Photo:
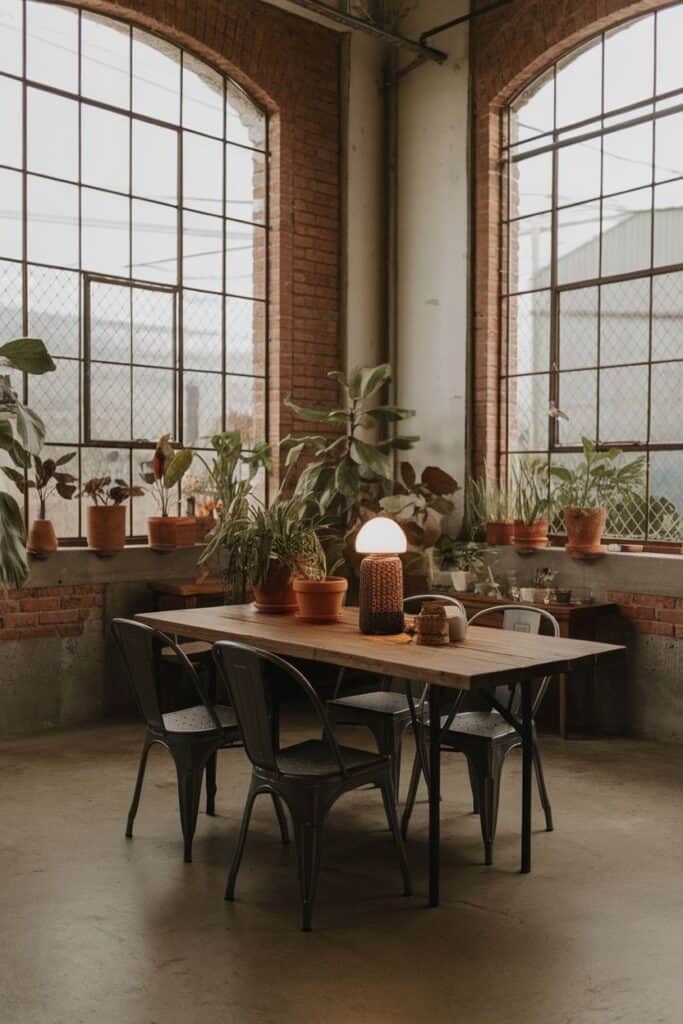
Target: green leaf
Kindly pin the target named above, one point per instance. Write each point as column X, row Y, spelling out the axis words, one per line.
column 399, row 444
column 313, row 415
column 438, row 480
column 390, row 413
column 65, row 490
column 6, row 435
column 63, row 459
column 346, row 479
column 294, row 454
column 408, row 475
column 371, row 459
column 16, row 477
column 28, row 355
column 372, row 379
column 308, row 481
column 340, row 376
column 13, row 560
column 30, row 428
column 177, row 466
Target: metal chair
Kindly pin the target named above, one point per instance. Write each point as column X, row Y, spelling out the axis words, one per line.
column 309, row 777
column 486, row 738
column 385, row 712
column 192, row 735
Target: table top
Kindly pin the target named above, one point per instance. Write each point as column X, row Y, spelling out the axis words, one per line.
column 487, row 656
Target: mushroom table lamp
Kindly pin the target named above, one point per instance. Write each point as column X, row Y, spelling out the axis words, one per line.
column 381, row 540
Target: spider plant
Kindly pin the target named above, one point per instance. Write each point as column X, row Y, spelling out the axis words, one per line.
column 531, row 497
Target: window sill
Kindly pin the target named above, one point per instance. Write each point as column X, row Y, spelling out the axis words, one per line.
column 71, row 566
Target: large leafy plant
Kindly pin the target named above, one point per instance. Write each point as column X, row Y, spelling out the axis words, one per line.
column 22, row 433
column 419, row 504
column 165, row 470
column 598, row 481
column 47, row 478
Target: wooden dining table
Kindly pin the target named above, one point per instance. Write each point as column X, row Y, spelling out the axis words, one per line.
column 487, row 658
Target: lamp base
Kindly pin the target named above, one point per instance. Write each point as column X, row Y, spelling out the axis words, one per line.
column 381, row 595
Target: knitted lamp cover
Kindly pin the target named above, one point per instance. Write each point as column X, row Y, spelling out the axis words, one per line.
column 381, row 594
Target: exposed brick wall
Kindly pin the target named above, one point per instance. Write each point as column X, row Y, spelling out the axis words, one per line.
column 508, row 48
column 651, row 613
column 49, row 611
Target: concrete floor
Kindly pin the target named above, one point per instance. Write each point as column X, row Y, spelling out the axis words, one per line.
column 96, row 928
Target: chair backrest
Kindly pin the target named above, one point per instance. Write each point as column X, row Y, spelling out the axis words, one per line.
column 249, row 674
column 522, row 619
column 413, row 604
column 141, row 648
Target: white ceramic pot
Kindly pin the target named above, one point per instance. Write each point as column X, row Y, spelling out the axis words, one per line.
column 460, row 579
column 527, row 595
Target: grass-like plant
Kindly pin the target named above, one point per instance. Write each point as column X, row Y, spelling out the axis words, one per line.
column 531, row 494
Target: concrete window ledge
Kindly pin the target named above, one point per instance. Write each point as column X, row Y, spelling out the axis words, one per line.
column 74, row 566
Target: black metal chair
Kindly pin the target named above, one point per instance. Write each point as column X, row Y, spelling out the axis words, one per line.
column 386, row 712
column 192, row 735
column 486, row 737
column 309, row 776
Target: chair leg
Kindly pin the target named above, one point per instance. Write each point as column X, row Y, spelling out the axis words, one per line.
column 308, row 838
column 138, row 786
column 239, row 849
column 473, row 786
column 543, row 792
column 388, row 738
column 189, row 792
column 412, row 793
column 281, row 818
column 488, row 786
column 389, row 798
column 211, row 784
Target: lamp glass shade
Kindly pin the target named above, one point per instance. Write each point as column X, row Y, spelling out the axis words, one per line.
column 381, row 536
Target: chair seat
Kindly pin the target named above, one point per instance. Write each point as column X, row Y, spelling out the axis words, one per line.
column 314, row 757
column 380, row 702
column 195, row 650
column 486, row 724
column 198, row 719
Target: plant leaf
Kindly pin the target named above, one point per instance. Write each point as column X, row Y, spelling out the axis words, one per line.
column 30, row 428
column 439, row 481
column 16, row 477
column 177, row 466
column 390, row 413
column 372, row 378
column 346, row 478
column 313, row 415
column 28, row 355
column 294, row 454
column 63, row 459
column 13, row 559
column 369, row 457
column 65, row 490
column 408, row 475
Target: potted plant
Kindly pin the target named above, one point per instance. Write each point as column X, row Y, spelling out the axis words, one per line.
column 163, row 473
column 462, row 560
column 48, row 479
column 531, row 505
column 105, row 520
column 229, row 480
column 585, row 492
column 491, row 508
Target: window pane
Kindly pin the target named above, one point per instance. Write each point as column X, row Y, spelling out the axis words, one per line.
column 155, row 162
column 11, row 319
column 245, row 332
column 578, row 172
column 10, row 214
column 55, row 397
column 667, row 316
column 155, row 233
column 531, row 185
column 529, row 333
column 202, row 406
column 245, row 184
column 110, row 322
column 629, row 48
column 578, row 231
column 53, row 309
column 578, row 398
column 666, row 495
column 528, row 415
column 529, row 253
column 245, row 256
column 52, row 135
column 669, row 48
column 578, row 328
column 105, row 63
column 628, row 518
column 109, row 402
column 579, row 86
column 627, row 158
column 667, row 390
column 532, row 113
column 11, row 32
column 153, row 327
column 625, row 322
column 53, row 222
column 244, row 122
column 246, row 407
column 153, row 403
column 668, row 224
column 202, row 97
column 202, row 331
column 669, row 147
column 202, row 173
column 106, row 143
column 156, row 77
column 626, row 223
column 52, row 45
column 12, row 122
column 202, row 251
column 623, row 404
column 106, row 233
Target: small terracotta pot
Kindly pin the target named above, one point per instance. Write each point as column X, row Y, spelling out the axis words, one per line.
column 105, row 528
column 185, row 531
column 585, row 527
column 499, row 532
column 530, row 538
column 161, row 533
column 320, row 600
column 42, row 539
column 276, row 595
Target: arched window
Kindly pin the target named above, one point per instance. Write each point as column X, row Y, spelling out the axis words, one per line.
column 133, row 220
column 593, row 290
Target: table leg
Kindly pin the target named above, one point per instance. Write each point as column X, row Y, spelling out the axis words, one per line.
column 527, row 768
column 434, row 791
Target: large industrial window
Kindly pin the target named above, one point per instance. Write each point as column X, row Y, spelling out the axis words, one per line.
column 593, row 282
column 133, row 220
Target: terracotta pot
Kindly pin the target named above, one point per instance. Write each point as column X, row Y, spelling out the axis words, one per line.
column 106, row 528
column 585, row 527
column 42, row 539
column 499, row 533
column 320, row 600
column 166, row 533
column 530, row 538
column 276, row 596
